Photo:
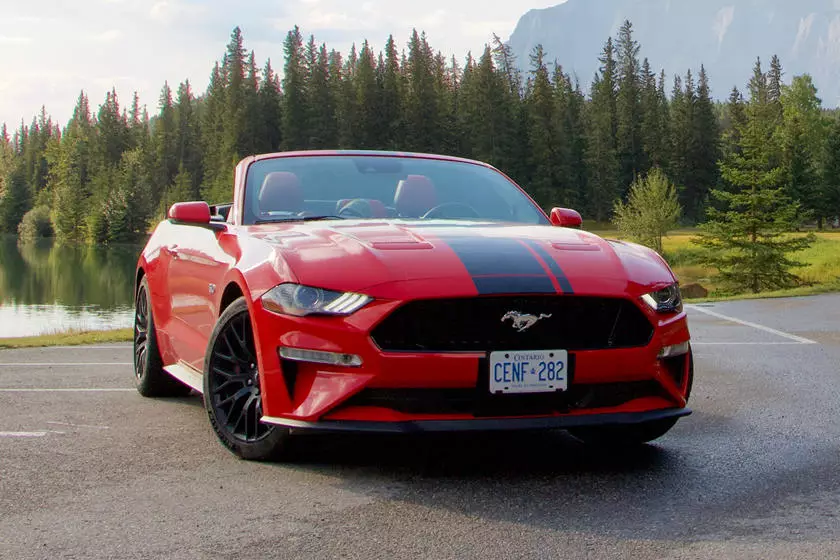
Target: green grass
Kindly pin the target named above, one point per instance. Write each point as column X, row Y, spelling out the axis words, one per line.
column 68, row 338
column 820, row 274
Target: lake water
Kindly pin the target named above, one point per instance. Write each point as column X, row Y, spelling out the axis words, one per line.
column 46, row 288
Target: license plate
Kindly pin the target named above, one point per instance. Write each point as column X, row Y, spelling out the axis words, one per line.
column 529, row 371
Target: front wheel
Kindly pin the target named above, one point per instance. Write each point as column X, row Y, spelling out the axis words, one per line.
column 232, row 395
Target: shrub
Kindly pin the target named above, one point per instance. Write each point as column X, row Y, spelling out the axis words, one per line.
column 36, row 223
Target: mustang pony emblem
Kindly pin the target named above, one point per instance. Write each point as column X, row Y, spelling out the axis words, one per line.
column 523, row 322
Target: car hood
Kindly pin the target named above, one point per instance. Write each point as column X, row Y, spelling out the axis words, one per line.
column 415, row 259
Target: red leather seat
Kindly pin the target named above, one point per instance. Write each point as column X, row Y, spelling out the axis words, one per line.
column 281, row 192
column 415, row 196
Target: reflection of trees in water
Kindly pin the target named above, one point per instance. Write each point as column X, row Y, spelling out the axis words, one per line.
column 43, row 272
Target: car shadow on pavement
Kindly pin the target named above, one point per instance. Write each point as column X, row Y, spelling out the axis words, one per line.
column 472, row 455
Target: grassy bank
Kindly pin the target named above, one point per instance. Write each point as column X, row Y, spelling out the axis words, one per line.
column 820, row 274
column 70, row 338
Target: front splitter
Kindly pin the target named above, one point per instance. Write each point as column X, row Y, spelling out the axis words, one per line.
column 483, row 425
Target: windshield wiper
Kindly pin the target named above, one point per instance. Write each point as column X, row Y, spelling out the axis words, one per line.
column 300, row 219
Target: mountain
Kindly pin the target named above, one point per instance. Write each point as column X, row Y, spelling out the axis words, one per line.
column 676, row 35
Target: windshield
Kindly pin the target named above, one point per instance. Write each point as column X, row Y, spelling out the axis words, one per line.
column 377, row 187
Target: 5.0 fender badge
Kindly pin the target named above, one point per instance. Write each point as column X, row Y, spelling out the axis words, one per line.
column 523, row 322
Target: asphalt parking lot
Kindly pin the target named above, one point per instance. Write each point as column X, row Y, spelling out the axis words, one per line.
column 89, row 469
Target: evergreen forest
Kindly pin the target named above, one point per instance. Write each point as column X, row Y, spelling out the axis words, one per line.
column 110, row 173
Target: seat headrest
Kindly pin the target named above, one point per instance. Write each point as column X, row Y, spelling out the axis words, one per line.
column 281, row 192
column 415, row 196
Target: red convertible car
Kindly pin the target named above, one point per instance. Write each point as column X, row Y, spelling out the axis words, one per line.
column 395, row 292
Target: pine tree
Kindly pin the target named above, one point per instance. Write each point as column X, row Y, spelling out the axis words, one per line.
column 271, row 109
column 166, row 145
column 801, row 137
column 69, row 190
column 602, row 154
column 705, row 150
column 682, row 139
column 213, row 136
column 254, row 129
column 187, row 138
column 238, row 93
column 574, row 130
column 830, row 171
column 295, row 118
column 628, row 107
column 774, row 89
column 422, row 104
column 514, row 131
column 390, row 106
column 748, row 237
column 366, row 101
column 546, row 157
column 112, row 132
column 70, row 175
column 486, row 120
column 15, row 201
column 652, row 128
column 737, row 120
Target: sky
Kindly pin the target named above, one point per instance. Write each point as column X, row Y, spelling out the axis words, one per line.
column 50, row 50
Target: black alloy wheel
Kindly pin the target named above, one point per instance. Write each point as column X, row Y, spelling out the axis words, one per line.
column 149, row 377
column 232, row 391
column 141, row 333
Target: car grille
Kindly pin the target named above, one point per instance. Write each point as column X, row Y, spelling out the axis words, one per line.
column 480, row 403
column 475, row 325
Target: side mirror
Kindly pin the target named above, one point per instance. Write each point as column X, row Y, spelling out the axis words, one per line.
column 566, row 217
column 190, row 213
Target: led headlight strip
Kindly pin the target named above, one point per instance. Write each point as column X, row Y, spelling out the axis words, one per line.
column 300, row 301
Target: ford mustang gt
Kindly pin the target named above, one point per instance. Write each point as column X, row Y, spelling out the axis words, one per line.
column 394, row 292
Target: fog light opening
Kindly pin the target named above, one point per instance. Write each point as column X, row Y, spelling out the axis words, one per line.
column 320, row 357
column 674, row 351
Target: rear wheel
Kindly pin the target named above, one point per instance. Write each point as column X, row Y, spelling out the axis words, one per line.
column 232, row 394
column 149, row 377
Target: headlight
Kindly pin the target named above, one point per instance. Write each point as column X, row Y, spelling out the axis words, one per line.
column 667, row 300
column 294, row 299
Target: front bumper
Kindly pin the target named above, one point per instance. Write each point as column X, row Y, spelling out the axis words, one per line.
column 483, row 425
column 448, row 391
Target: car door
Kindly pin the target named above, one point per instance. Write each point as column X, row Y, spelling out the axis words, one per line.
column 197, row 268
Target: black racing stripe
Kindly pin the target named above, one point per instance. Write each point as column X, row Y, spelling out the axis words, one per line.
column 497, row 285
column 488, row 256
column 558, row 273
column 501, row 266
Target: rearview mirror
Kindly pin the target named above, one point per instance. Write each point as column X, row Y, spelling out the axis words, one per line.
column 190, row 213
column 566, row 217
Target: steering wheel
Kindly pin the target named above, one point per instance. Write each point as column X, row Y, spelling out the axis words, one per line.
column 348, row 210
column 434, row 212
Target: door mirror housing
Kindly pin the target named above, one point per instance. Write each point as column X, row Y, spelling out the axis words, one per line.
column 566, row 217
column 190, row 213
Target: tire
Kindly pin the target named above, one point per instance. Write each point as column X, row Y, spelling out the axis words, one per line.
column 626, row 435
column 232, row 390
column 149, row 377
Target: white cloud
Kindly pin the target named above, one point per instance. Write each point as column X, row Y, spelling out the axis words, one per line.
column 107, row 36
column 13, row 40
column 724, row 19
column 804, row 32
column 80, row 46
column 172, row 11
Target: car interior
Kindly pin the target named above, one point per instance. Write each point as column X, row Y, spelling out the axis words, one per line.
column 424, row 190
